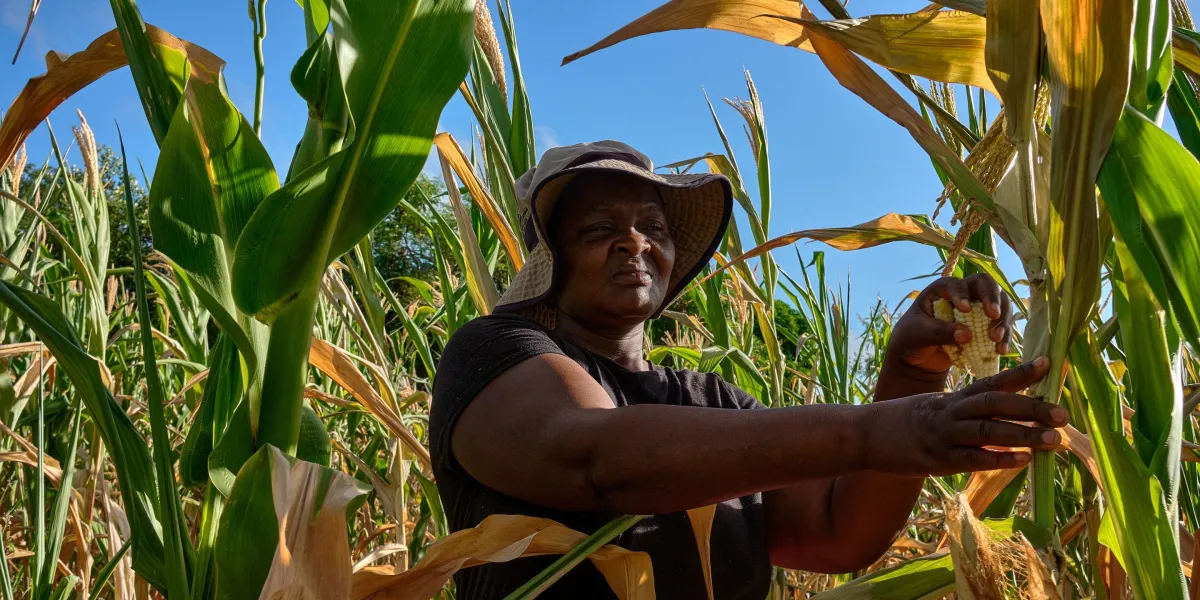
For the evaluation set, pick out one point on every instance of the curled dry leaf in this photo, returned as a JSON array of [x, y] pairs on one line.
[[891, 227], [501, 538], [312, 559], [335, 362], [67, 74], [452, 152], [747, 17], [702, 521]]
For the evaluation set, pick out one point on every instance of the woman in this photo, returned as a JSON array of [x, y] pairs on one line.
[[549, 407]]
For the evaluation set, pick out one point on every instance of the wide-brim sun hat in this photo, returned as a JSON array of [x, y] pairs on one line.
[[697, 208]]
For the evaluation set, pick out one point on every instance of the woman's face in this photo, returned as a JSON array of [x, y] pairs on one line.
[[615, 250]]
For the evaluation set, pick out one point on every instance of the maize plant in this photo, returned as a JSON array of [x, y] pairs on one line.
[[167, 424], [1097, 201]]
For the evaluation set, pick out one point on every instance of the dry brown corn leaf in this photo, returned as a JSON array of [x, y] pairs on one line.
[[946, 45], [753, 18], [501, 538], [67, 74]]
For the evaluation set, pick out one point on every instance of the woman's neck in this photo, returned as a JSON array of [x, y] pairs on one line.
[[622, 345]]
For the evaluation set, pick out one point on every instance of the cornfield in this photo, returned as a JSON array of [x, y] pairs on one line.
[[241, 411]]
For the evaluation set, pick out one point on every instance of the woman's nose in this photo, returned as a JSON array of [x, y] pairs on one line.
[[633, 242]]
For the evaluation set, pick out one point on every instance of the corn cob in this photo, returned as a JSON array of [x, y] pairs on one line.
[[978, 356]]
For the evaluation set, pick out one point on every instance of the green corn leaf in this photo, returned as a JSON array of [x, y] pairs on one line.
[[363, 273], [193, 339], [430, 491], [158, 73], [1152, 64], [395, 91], [135, 471], [316, 78], [926, 577], [487, 87], [233, 447], [64, 587], [1151, 346], [521, 146], [316, 18], [175, 541], [212, 173], [248, 532], [415, 335], [314, 445], [1133, 495], [1148, 184], [6, 586], [62, 501], [1089, 74], [222, 393], [1185, 111]]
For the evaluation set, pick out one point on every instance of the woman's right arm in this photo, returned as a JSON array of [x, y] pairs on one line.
[[544, 431]]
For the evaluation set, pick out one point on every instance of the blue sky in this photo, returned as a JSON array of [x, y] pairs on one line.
[[835, 161]]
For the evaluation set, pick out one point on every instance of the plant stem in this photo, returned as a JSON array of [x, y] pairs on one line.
[[568, 561], [40, 507], [277, 420], [260, 32], [168, 495], [1042, 479]]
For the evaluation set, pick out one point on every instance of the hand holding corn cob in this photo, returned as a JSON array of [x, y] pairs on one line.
[[954, 321]]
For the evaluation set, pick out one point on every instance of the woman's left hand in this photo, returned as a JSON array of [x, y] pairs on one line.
[[918, 336]]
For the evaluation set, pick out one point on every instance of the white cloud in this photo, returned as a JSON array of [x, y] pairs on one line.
[[545, 137]]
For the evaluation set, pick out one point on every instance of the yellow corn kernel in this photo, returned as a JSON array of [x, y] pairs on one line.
[[978, 356]]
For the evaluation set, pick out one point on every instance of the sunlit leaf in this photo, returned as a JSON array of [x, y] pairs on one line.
[[67, 74], [747, 17], [1149, 182], [1089, 75], [501, 538], [940, 45], [1133, 496]]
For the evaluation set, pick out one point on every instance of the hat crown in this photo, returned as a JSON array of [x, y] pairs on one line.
[[559, 158]]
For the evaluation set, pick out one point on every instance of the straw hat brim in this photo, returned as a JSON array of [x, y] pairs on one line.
[[697, 208]]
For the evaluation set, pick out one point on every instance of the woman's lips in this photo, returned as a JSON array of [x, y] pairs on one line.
[[632, 276]]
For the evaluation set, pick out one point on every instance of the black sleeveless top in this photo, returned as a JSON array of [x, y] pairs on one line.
[[486, 347]]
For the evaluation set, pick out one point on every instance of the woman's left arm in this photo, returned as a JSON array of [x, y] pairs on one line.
[[843, 524]]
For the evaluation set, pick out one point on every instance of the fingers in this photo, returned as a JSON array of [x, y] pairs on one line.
[[1012, 380], [978, 459], [988, 432], [985, 289], [952, 289], [1007, 405], [1003, 326], [928, 331]]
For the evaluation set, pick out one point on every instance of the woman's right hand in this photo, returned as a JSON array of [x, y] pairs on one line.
[[951, 432]]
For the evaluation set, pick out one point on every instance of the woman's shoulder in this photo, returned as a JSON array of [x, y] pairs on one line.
[[486, 346], [489, 325]]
